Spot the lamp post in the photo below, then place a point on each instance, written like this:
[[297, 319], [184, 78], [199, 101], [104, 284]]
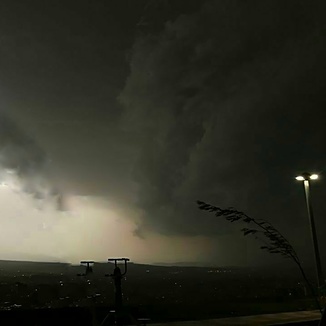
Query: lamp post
[[306, 177]]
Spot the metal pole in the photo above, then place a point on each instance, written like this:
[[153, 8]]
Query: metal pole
[[320, 278]]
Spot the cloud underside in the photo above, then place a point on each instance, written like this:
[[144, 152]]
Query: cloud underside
[[24, 165], [216, 107]]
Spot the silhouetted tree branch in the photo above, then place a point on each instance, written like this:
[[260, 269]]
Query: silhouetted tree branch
[[275, 242]]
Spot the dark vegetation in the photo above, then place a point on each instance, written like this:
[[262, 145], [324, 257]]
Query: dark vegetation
[[274, 242]]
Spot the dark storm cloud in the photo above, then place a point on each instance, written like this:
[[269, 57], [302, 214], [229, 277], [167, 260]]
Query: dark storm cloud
[[224, 102], [22, 158], [226, 105]]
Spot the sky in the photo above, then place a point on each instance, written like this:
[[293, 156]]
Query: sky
[[116, 116]]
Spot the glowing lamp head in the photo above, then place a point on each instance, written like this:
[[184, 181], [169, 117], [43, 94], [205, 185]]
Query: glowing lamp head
[[307, 176]]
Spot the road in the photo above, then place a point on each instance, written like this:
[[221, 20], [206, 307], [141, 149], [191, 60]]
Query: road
[[266, 319]]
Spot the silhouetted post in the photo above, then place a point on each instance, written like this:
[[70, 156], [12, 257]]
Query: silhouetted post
[[117, 277], [313, 233], [306, 177], [89, 268]]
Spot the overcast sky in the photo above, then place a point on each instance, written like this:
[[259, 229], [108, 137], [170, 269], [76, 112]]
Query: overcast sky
[[116, 116]]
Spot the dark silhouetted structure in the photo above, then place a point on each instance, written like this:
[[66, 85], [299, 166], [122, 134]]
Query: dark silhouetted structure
[[306, 177], [89, 268], [117, 277], [121, 314]]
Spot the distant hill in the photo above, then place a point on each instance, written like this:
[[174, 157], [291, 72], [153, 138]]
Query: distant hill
[[33, 267], [99, 268], [195, 264], [102, 268]]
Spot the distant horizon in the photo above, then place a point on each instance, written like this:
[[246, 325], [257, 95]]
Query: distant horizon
[[176, 264], [162, 264]]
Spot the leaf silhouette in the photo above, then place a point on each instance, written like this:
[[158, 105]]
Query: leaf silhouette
[[275, 242]]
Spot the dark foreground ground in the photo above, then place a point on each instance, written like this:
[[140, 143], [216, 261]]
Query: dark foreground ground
[[53, 294], [83, 316]]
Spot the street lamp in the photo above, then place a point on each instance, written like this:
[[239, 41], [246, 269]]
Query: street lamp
[[306, 177]]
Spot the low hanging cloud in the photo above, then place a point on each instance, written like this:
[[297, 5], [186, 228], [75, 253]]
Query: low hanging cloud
[[24, 165], [39, 223], [216, 108]]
